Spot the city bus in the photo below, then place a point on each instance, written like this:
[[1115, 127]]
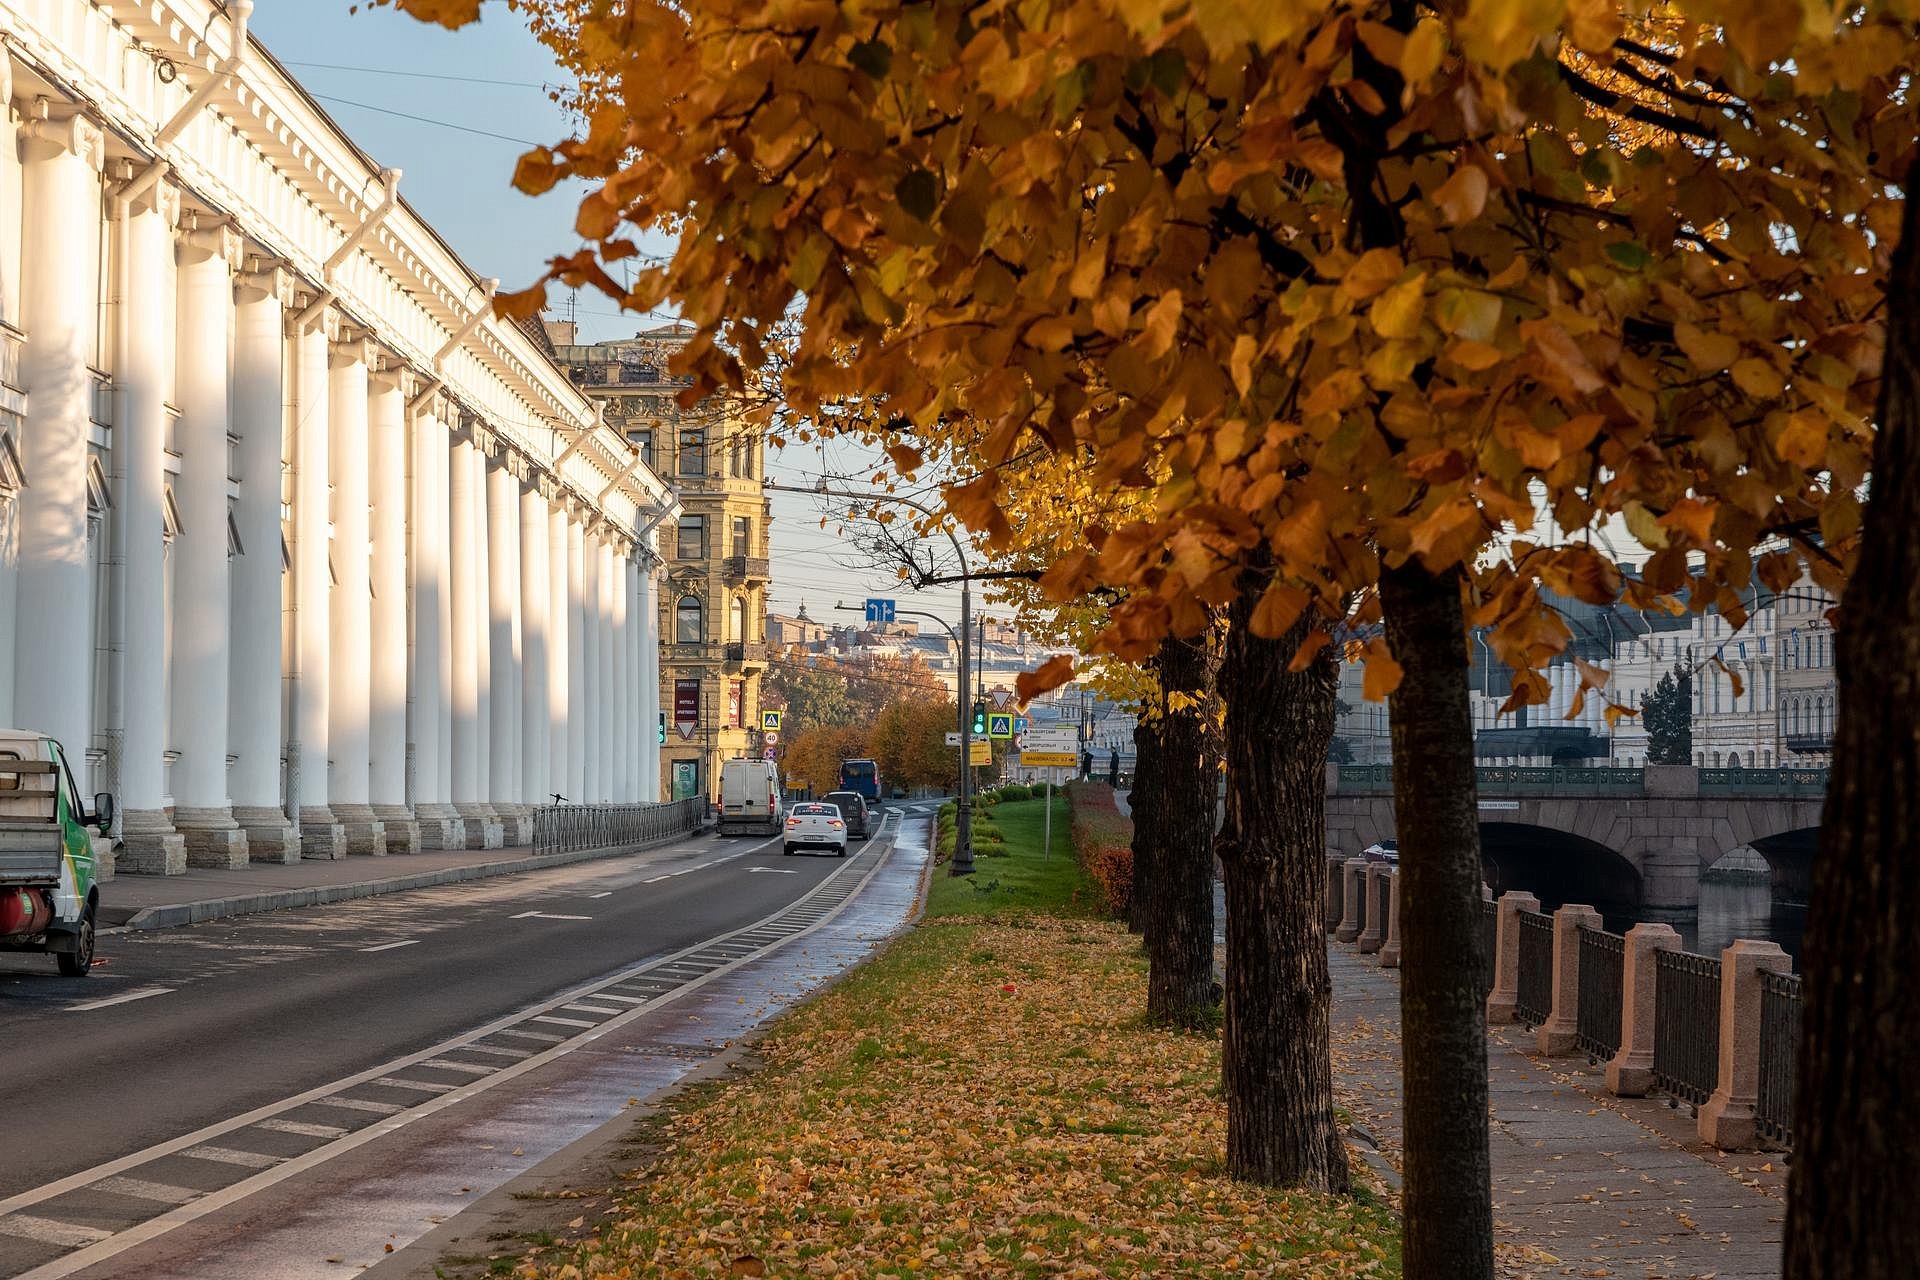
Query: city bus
[[863, 777]]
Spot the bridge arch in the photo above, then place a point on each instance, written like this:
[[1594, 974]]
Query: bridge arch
[[1559, 867]]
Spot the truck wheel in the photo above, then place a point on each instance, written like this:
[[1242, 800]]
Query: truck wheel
[[79, 962]]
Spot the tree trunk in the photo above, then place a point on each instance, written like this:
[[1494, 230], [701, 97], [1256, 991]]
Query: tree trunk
[[1448, 1198], [1148, 829], [1179, 913], [1849, 1212], [1276, 1063]]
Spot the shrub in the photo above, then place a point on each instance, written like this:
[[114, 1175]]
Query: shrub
[[1103, 842], [1014, 791]]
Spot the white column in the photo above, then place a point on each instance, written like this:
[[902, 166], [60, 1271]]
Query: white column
[[503, 580], [60, 227], [608, 690], [632, 723], [467, 646], [254, 733], [483, 642], [203, 595], [536, 603], [590, 693], [620, 773], [387, 506], [308, 737], [431, 584], [650, 699], [145, 321], [579, 695], [351, 701], [559, 639]]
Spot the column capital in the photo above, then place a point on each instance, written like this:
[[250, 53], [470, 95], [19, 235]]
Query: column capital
[[351, 347], [264, 277], [390, 372], [53, 127], [161, 197], [328, 323], [204, 236]]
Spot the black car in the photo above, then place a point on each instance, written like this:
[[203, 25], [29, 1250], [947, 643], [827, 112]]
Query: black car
[[853, 807]]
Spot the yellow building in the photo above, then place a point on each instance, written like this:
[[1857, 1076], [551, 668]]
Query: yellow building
[[713, 591]]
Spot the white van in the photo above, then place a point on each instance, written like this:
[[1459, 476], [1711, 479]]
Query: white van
[[750, 798]]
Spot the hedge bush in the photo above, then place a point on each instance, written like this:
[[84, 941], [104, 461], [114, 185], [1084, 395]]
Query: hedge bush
[[1014, 791], [1103, 842]]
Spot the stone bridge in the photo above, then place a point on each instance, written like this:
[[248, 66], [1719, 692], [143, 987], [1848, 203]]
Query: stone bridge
[[1625, 840]]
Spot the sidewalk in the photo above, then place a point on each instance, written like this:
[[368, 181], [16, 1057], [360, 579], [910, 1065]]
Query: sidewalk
[[1584, 1184], [160, 902]]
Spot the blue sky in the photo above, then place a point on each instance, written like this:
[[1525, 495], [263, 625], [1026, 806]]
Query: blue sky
[[477, 103]]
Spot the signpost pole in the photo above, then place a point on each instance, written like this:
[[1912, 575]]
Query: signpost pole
[[1047, 853]]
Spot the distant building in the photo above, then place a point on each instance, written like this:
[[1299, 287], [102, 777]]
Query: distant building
[[790, 631], [713, 620]]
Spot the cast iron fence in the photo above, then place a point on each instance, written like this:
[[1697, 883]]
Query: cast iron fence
[[1489, 935], [1779, 1039], [566, 828], [1603, 961], [1535, 999], [1686, 1025]]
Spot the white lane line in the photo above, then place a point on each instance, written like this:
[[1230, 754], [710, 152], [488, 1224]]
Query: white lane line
[[656, 880], [470, 1068], [141, 1189], [563, 1022], [389, 946], [227, 1155], [544, 915], [497, 1052], [361, 1104], [542, 1036], [583, 1007], [302, 1128], [421, 1086], [774, 871], [607, 894], [122, 998], [47, 1231], [608, 995]]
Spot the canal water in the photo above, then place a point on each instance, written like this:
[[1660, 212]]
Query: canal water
[[1732, 911]]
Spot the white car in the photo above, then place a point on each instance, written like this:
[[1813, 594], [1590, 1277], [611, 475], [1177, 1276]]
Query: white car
[[816, 826]]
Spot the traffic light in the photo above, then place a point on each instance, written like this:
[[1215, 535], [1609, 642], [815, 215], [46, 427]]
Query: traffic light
[[663, 729], [979, 719]]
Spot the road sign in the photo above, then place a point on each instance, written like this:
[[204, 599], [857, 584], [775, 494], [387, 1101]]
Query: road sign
[[770, 737], [953, 737], [1051, 738], [999, 725], [1019, 725], [1050, 759], [770, 720], [979, 752], [879, 610], [1001, 698], [771, 753]]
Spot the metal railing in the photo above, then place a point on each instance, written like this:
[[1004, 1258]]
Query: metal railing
[[567, 828], [1489, 942], [1534, 1002], [1779, 1041], [1686, 1025], [1603, 962], [1763, 782]]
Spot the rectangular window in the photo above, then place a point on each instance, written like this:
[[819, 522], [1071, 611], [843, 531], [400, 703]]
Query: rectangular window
[[742, 535], [693, 538], [693, 453], [643, 440]]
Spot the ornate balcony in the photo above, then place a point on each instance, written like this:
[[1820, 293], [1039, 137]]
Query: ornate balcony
[[747, 569], [750, 654]]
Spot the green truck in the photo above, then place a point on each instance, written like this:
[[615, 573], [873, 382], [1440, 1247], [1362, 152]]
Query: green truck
[[49, 895]]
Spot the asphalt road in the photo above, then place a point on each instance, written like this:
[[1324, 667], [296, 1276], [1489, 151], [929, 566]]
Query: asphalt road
[[182, 1028]]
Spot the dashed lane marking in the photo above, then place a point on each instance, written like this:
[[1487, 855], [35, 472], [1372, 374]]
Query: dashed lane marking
[[123, 998], [545, 915], [607, 894], [389, 946]]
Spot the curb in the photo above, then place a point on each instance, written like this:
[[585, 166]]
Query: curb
[[171, 915]]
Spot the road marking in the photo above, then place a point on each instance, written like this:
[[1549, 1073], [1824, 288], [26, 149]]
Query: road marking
[[141, 1189], [607, 894], [547, 1037], [543, 915], [123, 998], [422, 1086], [227, 1155], [608, 995], [471, 1068], [772, 871], [302, 1128], [497, 1051], [388, 946], [656, 880], [47, 1231], [563, 1022], [589, 1008], [361, 1104]]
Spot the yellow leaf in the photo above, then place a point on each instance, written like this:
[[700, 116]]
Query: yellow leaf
[[1371, 272], [1051, 674], [1397, 312], [1241, 365], [1382, 674], [1475, 357], [1313, 644], [1803, 440], [1711, 352], [1461, 197], [1758, 378], [1278, 609], [1421, 55], [1163, 319]]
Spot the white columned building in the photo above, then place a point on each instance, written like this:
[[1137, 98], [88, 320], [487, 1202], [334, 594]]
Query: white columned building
[[303, 552]]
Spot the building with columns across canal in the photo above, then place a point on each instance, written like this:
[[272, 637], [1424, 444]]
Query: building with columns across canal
[[302, 551]]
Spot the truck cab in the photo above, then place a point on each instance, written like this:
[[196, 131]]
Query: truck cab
[[49, 895]]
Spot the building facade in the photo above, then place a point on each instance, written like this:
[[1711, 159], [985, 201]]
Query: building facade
[[713, 594], [302, 552]]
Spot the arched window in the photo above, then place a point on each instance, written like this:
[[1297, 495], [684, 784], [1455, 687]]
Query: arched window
[[737, 619], [1733, 760], [688, 624], [1699, 759], [1766, 759], [1716, 759]]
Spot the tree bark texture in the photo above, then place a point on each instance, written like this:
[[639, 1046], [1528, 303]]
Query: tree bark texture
[[1179, 914], [1276, 1063], [1448, 1199], [1849, 1212], [1145, 803]]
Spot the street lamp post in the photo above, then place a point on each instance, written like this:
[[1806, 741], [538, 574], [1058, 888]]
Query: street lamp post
[[963, 806]]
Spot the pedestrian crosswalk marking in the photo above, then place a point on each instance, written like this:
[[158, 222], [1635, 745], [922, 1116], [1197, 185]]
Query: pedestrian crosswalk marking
[[361, 1104], [49, 1231], [227, 1155], [423, 1086], [302, 1128], [565, 1022], [471, 1068], [141, 1189]]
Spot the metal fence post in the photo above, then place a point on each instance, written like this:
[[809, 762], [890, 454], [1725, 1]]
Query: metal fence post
[[1562, 1027], [1727, 1119], [1630, 1071], [1353, 885], [1505, 997]]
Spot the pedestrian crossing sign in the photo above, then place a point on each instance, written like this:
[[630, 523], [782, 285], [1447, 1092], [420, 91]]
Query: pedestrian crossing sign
[[999, 725], [770, 721]]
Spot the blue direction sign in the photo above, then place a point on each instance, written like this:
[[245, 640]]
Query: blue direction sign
[[999, 725], [1019, 724], [879, 610]]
